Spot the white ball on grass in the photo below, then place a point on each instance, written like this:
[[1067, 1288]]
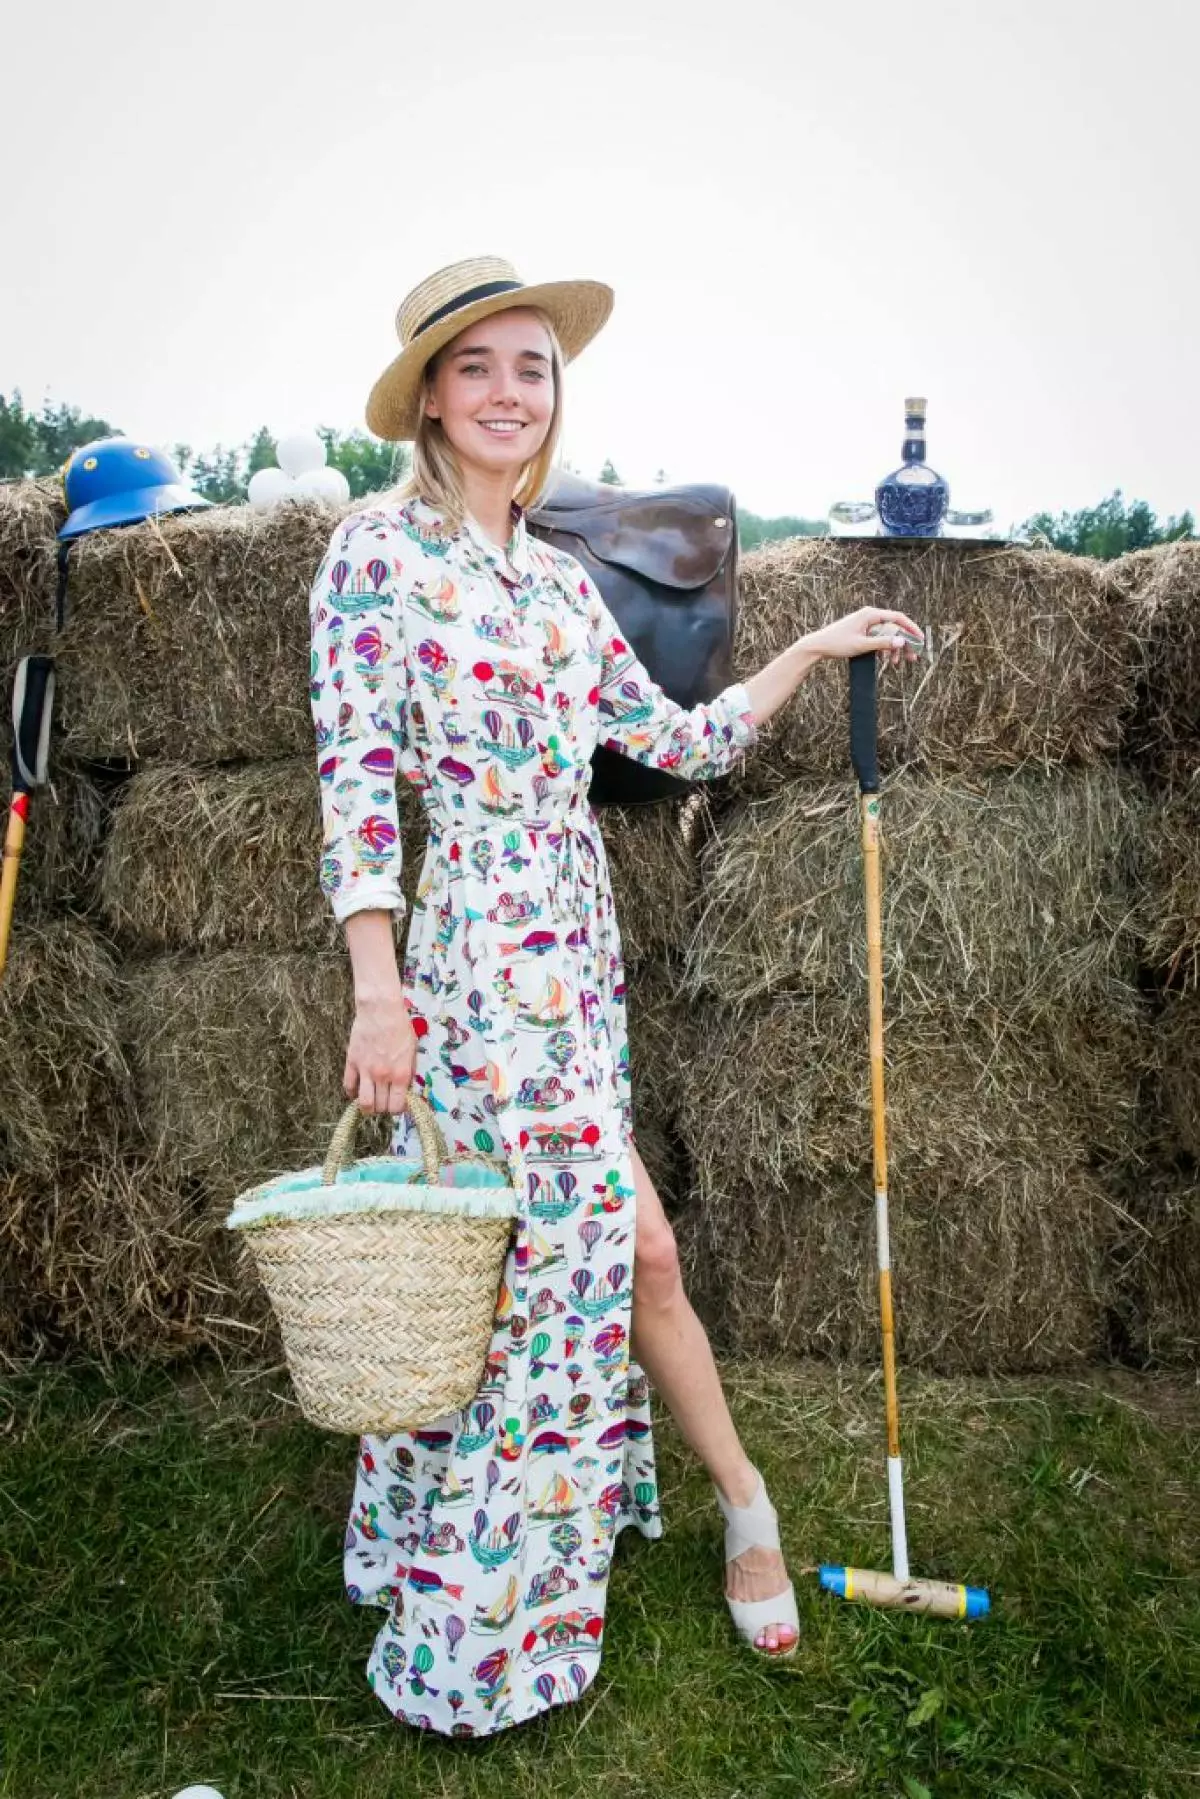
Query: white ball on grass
[[300, 451], [198, 1793]]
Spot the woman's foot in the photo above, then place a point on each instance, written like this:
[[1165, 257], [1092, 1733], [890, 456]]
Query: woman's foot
[[761, 1599]]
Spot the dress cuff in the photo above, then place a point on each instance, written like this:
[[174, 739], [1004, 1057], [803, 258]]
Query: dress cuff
[[743, 728], [378, 896]]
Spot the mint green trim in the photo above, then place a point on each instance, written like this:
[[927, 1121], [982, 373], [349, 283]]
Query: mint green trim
[[375, 1184]]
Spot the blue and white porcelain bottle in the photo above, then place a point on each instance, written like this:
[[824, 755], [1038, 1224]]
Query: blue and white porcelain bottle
[[913, 499]]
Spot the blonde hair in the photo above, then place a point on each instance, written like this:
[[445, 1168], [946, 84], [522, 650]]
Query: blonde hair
[[436, 475]]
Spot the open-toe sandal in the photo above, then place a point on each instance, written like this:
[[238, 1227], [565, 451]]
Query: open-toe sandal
[[756, 1526]]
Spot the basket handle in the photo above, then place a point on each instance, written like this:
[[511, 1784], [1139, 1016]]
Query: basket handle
[[434, 1151], [433, 1145]]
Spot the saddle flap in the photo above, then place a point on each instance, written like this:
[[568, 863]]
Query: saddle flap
[[678, 537]]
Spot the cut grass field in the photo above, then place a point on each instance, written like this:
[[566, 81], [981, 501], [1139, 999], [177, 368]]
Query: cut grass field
[[172, 1607]]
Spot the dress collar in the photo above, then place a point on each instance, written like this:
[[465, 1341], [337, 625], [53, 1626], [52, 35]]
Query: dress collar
[[473, 540], [517, 555]]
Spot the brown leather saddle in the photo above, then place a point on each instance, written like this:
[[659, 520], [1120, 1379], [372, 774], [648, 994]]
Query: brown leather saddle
[[665, 563]]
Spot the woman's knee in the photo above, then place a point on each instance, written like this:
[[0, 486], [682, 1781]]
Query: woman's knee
[[656, 1274]]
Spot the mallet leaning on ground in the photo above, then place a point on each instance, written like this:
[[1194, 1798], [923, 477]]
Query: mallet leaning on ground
[[944, 1599]]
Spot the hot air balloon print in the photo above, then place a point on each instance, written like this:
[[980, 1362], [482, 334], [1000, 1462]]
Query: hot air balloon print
[[456, 1630], [378, 832], [590, 1233], [544, 1686], [565, 1540], [422, 1662], [491, 1671], [482, 1431], [609, 1342], [377, 572], [339, 574], [381, 760], [368, 645], [538, 1351]]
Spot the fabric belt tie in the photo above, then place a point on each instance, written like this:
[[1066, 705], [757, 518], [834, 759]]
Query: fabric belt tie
[[574, 854]]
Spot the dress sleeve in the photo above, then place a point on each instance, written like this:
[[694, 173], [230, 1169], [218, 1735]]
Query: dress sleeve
[[358, 691], [638, 720]]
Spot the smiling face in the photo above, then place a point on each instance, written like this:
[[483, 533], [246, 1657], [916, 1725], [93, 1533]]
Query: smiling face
[[492, 388]]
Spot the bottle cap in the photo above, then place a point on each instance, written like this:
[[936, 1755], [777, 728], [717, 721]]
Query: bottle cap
[[916, 407]]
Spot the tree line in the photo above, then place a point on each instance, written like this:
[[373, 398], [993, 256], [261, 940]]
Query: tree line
[[36, 444]]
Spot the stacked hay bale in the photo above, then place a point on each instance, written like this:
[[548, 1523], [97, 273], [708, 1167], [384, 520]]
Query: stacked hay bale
[[1016, 1037], [177, 1005], [179, 1031], [1161, 590]]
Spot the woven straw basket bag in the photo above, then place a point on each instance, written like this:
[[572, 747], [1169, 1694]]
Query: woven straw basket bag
[[384, 1276]]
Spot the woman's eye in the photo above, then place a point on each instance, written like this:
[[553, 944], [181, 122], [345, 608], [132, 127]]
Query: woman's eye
[[536, 374]]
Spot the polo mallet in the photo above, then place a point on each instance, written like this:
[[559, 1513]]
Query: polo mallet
[[33, 703], [943, 1598]]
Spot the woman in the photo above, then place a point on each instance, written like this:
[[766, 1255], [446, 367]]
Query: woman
[[452, 647]]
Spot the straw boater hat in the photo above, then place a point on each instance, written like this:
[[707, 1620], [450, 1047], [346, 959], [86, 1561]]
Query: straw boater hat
[[452, 298]]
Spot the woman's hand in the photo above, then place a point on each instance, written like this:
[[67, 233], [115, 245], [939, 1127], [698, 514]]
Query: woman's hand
[[859, 633], [381, 1054]]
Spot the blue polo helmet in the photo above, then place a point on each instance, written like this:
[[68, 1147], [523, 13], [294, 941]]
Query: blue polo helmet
[[118, 481]]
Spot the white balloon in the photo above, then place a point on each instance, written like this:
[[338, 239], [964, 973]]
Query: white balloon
[[300, 451], [201, 1792], [328, 484], [268, 487]]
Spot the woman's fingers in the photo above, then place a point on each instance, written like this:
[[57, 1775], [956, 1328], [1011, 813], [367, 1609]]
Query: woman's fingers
[[397, 1096], [366, 1092]]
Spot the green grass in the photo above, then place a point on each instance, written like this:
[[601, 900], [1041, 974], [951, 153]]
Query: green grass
[[172, 1609]]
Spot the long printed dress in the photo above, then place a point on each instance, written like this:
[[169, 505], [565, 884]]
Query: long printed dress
[[486, 679]]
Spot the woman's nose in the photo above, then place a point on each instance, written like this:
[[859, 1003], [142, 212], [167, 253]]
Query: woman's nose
[[505, 389]]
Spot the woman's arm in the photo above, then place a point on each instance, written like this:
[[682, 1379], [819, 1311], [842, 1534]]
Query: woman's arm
[[639, 720], [358, 703], [382, 1052], [775, 684]]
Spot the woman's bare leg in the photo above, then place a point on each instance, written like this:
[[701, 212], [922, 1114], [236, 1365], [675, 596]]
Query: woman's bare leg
[[671, 1344]]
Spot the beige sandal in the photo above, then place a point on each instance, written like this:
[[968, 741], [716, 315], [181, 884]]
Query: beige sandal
[[756, 1526]]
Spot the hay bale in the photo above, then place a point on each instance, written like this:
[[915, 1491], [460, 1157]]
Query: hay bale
[[653, 870], [215, 858], [206, 859], [654, 1011], [1010, 1273], [1160, 591], [238, 1060], [192, 630], [1161, 1270], [123, 1258], [1018, 888], [1173, 880], [60, 864], [30, 515], [1003, 1231], [1030, 662], [1178, 1039], [62, 1069]]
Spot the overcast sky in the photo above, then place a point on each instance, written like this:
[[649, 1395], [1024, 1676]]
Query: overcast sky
[[808, 209]]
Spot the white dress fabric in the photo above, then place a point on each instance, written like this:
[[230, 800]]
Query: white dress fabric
[[486, 679]]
